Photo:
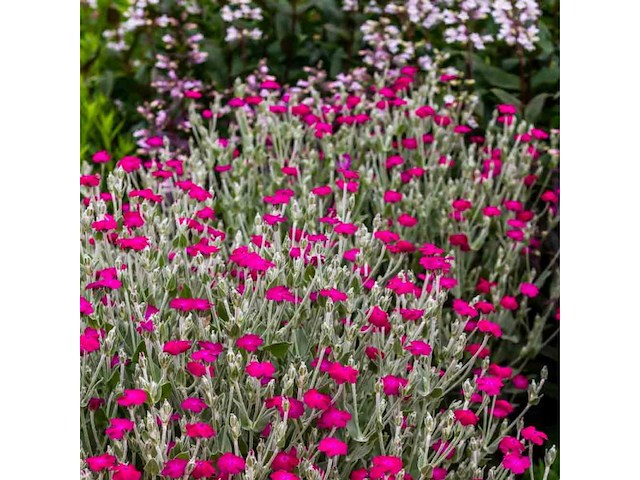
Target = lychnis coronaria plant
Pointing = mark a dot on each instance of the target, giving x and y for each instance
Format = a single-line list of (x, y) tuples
[(332, 284)]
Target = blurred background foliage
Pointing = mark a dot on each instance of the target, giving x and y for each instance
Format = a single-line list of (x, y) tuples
[(295, 34)]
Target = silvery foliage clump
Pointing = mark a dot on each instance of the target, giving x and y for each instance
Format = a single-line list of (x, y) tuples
[(306, 256)]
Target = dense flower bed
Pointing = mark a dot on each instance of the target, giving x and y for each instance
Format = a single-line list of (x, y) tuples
[(332, 284)]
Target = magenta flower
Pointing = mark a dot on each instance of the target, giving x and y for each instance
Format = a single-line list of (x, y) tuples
[(176, 347), (490, 385), (529, 290), (516, 463), (466, 417), (384, 466), (203, 469), (230, 464), (511, 445), (175, 468), (118, 427), (99, 463), (283, 475), (334, 294), (131, 398), (509, 303), (286, 461), (280, 294), (193, 404), (199, 430), (533, 435), (314, 399), (249, 342), (260, 369), (333, 418), (391, 196), (332, 447), (101, 157), (125, 472), (438, 473), (419, 348), (342, 373), (89, 341), (190, 304), (391, 384), (296, 407)]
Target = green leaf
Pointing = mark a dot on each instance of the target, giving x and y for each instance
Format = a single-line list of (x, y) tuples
[(498, 77), (506, 97), (436, 393), (278, 350), (166, 390), (302, 341), (152, 467), (546, 76), (534, 108)]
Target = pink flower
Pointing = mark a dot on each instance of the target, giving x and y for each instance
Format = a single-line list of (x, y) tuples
[(95, 403), (101, 157), (260, 369), (533, 435), (90, 180), (334, 294), (485, 326), (520, 382), (491, 211), (193, 404), (515, 463), (286, 461), (190, 304), (333, 418), (129, 164), (199, 430), (466, 417), (391, 196), (343, 373), (321, 191), (175, 468), (425, 111), (438, 473), (280, 294), (511, 445), (391, 384), (345, 228), (490, 385), (125, 472), (509, 303), (384, 466), (89, 341), (314, 399), (296, 407), (407, 220), (176, 347), (460, 240), (379, 317), (283, 475), (419, 348), (131, 398), (203, 469), (249, 342), (118, 427), (99, 463), (502, 409), (230, 464), (332, 447), (476, 348), (529, 290)]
